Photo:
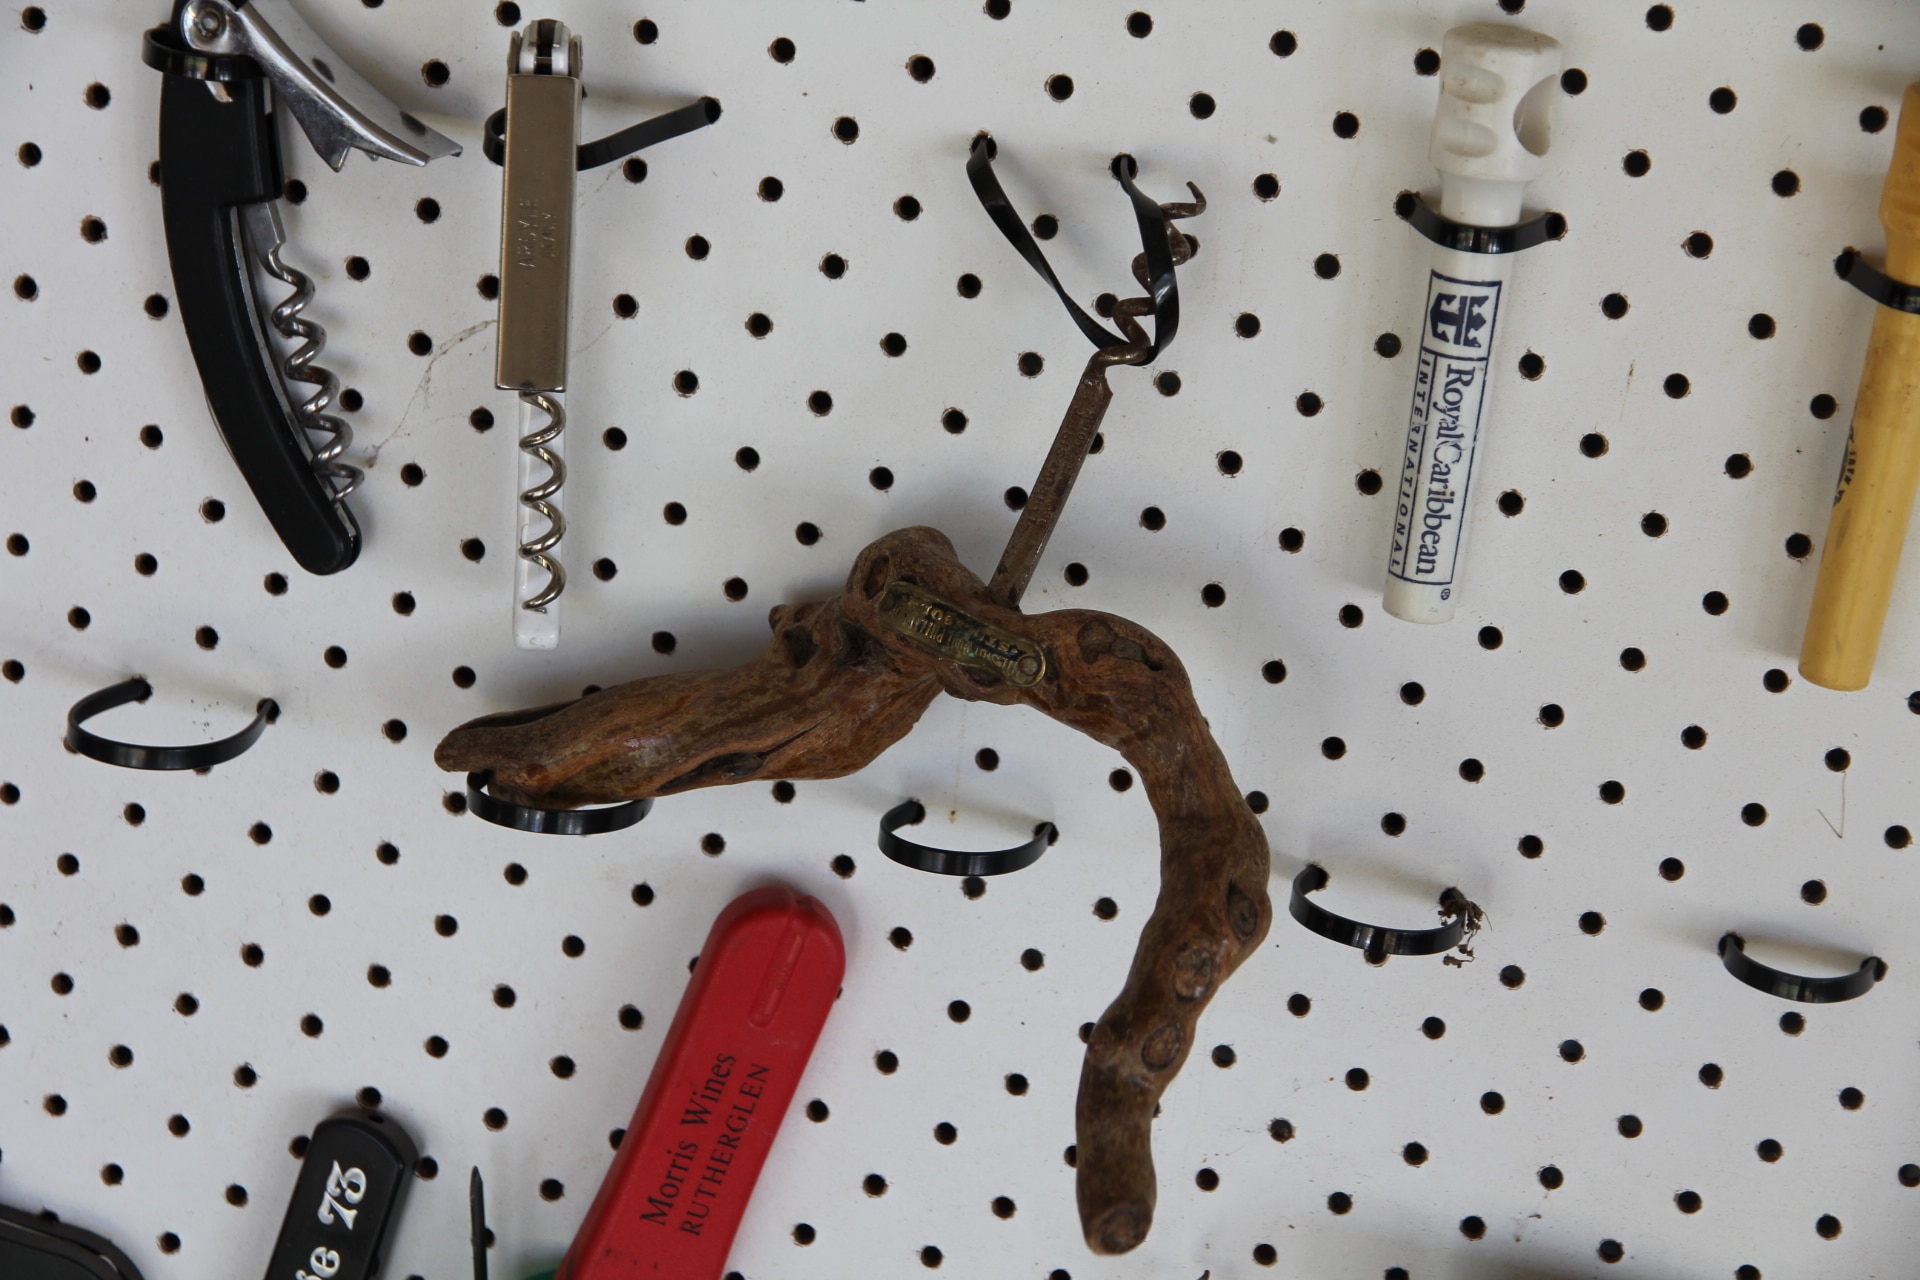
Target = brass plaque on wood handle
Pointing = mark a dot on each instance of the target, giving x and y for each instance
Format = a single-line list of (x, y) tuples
[(941, 628)]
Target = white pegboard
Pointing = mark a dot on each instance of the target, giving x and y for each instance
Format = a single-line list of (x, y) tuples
[(1646, 90)]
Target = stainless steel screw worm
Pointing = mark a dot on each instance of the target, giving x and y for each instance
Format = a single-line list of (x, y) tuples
[(539, 499), (299, 366)]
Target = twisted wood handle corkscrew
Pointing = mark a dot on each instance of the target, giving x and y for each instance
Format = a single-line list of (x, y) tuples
[(839, 684)]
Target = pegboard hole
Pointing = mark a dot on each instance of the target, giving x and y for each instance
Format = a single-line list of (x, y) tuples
[(1776, 680), (1326, 266), (1810, 36), (781, 50), (1202, 106), (1614, 306), (1473, 1227), (1636, 164), (1786, 183), (1345, 124), (1060, 87), (1672, 869), (1394, 824), (1357, 1079), (1594, 445), (1722, 100), (1612, 791), (847, 129), (1513, 977), (1633, 659), (1572, 1051), (1532, 366), (1368, 482), (1827, 1226), (1472, 770), (1387, 345), (89, 361), (1291, 540), (1712, 1076), (1838, 759), (1898, 837), (1813, 892), (1872, 120)]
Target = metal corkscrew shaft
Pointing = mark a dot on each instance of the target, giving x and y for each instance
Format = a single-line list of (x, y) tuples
[(1071, 443)]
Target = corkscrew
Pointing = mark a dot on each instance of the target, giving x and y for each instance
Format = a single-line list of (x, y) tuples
[(535, 139), (227, 63)]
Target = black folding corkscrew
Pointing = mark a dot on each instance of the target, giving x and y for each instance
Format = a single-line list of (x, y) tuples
[(227, 63)]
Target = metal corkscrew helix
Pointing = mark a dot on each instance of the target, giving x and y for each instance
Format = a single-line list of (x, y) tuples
[(264, 236), (539, 499)]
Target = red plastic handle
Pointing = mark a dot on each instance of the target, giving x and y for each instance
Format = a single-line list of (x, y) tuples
[(671, 1203)]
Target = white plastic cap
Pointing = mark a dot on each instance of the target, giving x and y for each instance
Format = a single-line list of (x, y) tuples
[(1497, 85)]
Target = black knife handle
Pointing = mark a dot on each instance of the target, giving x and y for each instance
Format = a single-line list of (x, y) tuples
[(214, 158)]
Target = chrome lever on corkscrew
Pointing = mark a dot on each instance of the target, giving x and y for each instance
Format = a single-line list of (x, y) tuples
[(220, 176)]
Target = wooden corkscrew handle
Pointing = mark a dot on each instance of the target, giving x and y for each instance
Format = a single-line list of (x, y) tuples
[(844, 679), (1880, 473)]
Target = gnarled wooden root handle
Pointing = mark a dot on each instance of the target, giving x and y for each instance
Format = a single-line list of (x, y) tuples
[(836, 687)]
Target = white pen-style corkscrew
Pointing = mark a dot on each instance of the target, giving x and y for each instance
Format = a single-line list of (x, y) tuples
[(1490, 135)]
